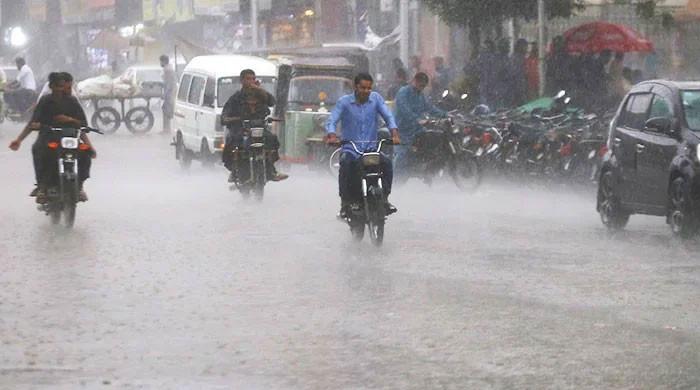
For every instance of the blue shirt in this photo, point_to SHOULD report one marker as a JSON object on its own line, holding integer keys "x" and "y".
{"x": 360, "y": 121}
{"x": 411, "y": 105}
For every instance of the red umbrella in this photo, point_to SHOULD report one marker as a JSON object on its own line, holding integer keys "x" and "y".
{"x": 598, "y": 36}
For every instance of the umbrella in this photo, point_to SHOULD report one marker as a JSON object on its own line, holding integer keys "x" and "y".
{"x": 598, "y": 36}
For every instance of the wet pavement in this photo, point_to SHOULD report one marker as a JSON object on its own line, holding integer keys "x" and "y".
{"x": 169, "y": 280}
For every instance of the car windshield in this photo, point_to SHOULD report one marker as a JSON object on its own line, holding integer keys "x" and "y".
{"x": 691, "y": 108}
{"x": 229, "y": 85}
{"x": 308, "y": 90}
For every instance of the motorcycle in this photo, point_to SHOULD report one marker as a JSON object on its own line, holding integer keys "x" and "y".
{"x": 441, "y": 149}
{"x": 13, "y": 114}
{"x": 63, "y": 190}
{"x": 250, "y": 159}
{"x": 370, "y": 210}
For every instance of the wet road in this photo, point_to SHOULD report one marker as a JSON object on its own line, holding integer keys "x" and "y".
{"x": 169, "y": 280}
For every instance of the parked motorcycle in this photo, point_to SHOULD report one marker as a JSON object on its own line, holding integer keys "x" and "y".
{"x": 63, "y": 189}
{"x": 439, "y": 150}
{"x": 370, "y": 210}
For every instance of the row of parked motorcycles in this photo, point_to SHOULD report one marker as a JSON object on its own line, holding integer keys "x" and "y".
{"x": 547, "y": 142}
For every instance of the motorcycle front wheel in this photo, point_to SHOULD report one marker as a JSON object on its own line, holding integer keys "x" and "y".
{"x": 70, "y": 201}
{"x": 465, "y": 173}
{"x": 259, "y": 185}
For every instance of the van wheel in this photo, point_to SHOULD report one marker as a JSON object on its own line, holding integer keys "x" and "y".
{"x": 611, "y": 213}
{"x": 683, "y": 222}
{"x": 182, "y": 154}
{"x": 205, "y": 155}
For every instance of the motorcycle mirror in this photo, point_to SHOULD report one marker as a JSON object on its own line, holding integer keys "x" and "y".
{"x": 445, "y": 93}
{"x": 464, "y": 96}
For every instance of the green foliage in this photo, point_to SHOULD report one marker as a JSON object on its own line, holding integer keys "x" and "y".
{"x": 482, "y": 12}
{"x": 466, "y": 12}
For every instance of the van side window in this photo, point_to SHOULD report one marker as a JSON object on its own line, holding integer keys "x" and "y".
{"x": 635, "y": 113}
{"x": 661, "y": 107}
{"x": 196, "y": 90}
{"x": 184, "y": 88}
{"x": 209, "y": 93}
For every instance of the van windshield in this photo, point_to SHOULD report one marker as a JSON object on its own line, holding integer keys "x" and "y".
{"x": 691, "y": 108}
{"x": 229, "y": 85}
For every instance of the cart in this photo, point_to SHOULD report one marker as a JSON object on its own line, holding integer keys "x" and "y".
{"x": 138, "y": 120}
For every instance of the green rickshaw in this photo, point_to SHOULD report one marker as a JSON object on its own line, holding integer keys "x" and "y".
{"x": 306, "y": 94}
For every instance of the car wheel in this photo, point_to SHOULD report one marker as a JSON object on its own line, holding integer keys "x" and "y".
{"x": 683, "y": 221}
{"x": 613, "y": 216}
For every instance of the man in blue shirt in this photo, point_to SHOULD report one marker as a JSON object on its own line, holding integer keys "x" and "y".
{"x": 359, "y": 114}
{"x": 411, "y": 107}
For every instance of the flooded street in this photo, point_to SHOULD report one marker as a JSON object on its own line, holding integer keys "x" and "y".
{"x": 170, "y": 280}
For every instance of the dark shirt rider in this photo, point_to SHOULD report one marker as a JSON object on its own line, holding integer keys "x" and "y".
{"x": 59, "y": 109}
{"x": 251, "y": 102}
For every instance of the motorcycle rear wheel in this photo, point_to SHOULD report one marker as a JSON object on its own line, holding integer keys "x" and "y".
{"x": 358, "y": 230}
{"x": 55, "y": 216}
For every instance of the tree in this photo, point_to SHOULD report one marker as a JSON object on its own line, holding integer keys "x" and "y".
{"x": 475, "y": 14}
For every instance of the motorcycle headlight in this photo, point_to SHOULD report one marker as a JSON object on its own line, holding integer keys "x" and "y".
{"x": 69, "y": 143}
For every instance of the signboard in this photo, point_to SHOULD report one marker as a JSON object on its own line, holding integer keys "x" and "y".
{"x": 264, "y": 5}
{"x": 216, "y": 7}
{"x": 86, "y": 11}
{"x": 37, "y": 10}
{"x": 167, "y": 10}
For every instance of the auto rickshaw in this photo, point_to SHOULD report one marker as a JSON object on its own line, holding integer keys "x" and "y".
{"x": 307, "y": 91}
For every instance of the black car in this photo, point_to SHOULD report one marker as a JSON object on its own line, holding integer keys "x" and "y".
{"x": 653, "y": 159}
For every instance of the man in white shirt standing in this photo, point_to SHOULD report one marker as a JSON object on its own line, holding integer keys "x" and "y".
{"x": 23, "y": 91}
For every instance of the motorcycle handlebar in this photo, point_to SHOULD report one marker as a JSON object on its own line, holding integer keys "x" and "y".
{"x": 83, "y": 129}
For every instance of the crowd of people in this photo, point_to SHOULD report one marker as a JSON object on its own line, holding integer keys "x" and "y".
{"x": 596, "y": 81}
{"x": 504, "y": 78}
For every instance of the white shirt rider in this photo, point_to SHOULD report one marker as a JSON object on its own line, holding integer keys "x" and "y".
{"x": 25, "y": 78}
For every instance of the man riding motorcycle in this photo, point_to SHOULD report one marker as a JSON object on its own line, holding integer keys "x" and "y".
{"x": 411, "y": 108}
{"x": 59, "y": 109}
{"x": 359, "y": 113}
{"x": 251, "y": 102}
{"x": 21, "y": 93}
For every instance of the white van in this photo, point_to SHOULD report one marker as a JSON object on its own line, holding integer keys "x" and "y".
{"x": 205, "y": 85}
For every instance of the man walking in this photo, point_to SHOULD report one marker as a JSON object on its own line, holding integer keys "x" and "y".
{"x": 169, "y": 92}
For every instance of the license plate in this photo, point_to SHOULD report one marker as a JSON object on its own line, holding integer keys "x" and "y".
{"x": 256, "y": 132}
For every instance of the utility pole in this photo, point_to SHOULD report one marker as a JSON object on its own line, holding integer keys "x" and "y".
{"x": 541, "y": 43}
{"x": 403, "y": 22}
{"x": 254, "y": 23}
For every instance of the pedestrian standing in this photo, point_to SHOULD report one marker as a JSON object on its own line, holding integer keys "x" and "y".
{"x": 532, "y": 70}
{"x": 169, "y": 91}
